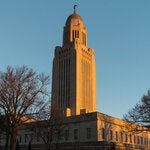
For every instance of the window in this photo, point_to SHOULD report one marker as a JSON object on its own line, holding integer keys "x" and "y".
{"x": 121, "y": 136}
{"x": 134, "y": 139}
{"x": 130, "y": 138}
{"x": 103, "y": 133}
{"x": 26, "y": 137}
{"x": 126, "y": 138}
{"x": 20, "y": 139}
{"x": 88, "y": 133}
{"x": 141, "y": 140}
{"x": 111, "y": 135}
{"x": 38, "y": 137}
{"x": 66, "y": 135}
{"x": 116, "y": 136}
{"x": 138, "y": 140}
{"x": 31, "y": 136}
{"x": 75, "y": 34}
{"x": 145, "y": 141}
{"x": 75, "y": 134}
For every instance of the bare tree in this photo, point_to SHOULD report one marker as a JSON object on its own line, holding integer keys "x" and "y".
{"x": 139, "y": 116}
{"x": 22, "y": 95}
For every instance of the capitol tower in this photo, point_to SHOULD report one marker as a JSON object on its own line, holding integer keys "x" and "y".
{"x": 74, "y": 70}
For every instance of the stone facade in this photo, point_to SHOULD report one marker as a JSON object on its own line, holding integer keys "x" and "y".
{"x": 91, "y": 131}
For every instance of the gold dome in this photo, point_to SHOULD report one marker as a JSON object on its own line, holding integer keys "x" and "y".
{"x": 74, "y": 19}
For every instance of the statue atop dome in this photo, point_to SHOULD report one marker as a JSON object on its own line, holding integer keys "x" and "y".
{"x": 74, "y": 7}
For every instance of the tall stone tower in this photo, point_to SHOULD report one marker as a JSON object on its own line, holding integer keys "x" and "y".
{"x": 74, "y": 70}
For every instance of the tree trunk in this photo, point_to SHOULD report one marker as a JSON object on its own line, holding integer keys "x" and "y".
{"x": 13, "y": 138}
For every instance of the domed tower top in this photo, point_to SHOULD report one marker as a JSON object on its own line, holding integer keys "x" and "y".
{"x": 74, "y": 28}
{"x": 74, "y": 19}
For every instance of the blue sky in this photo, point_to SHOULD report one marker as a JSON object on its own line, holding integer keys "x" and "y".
{"x": 118, "y": 30}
